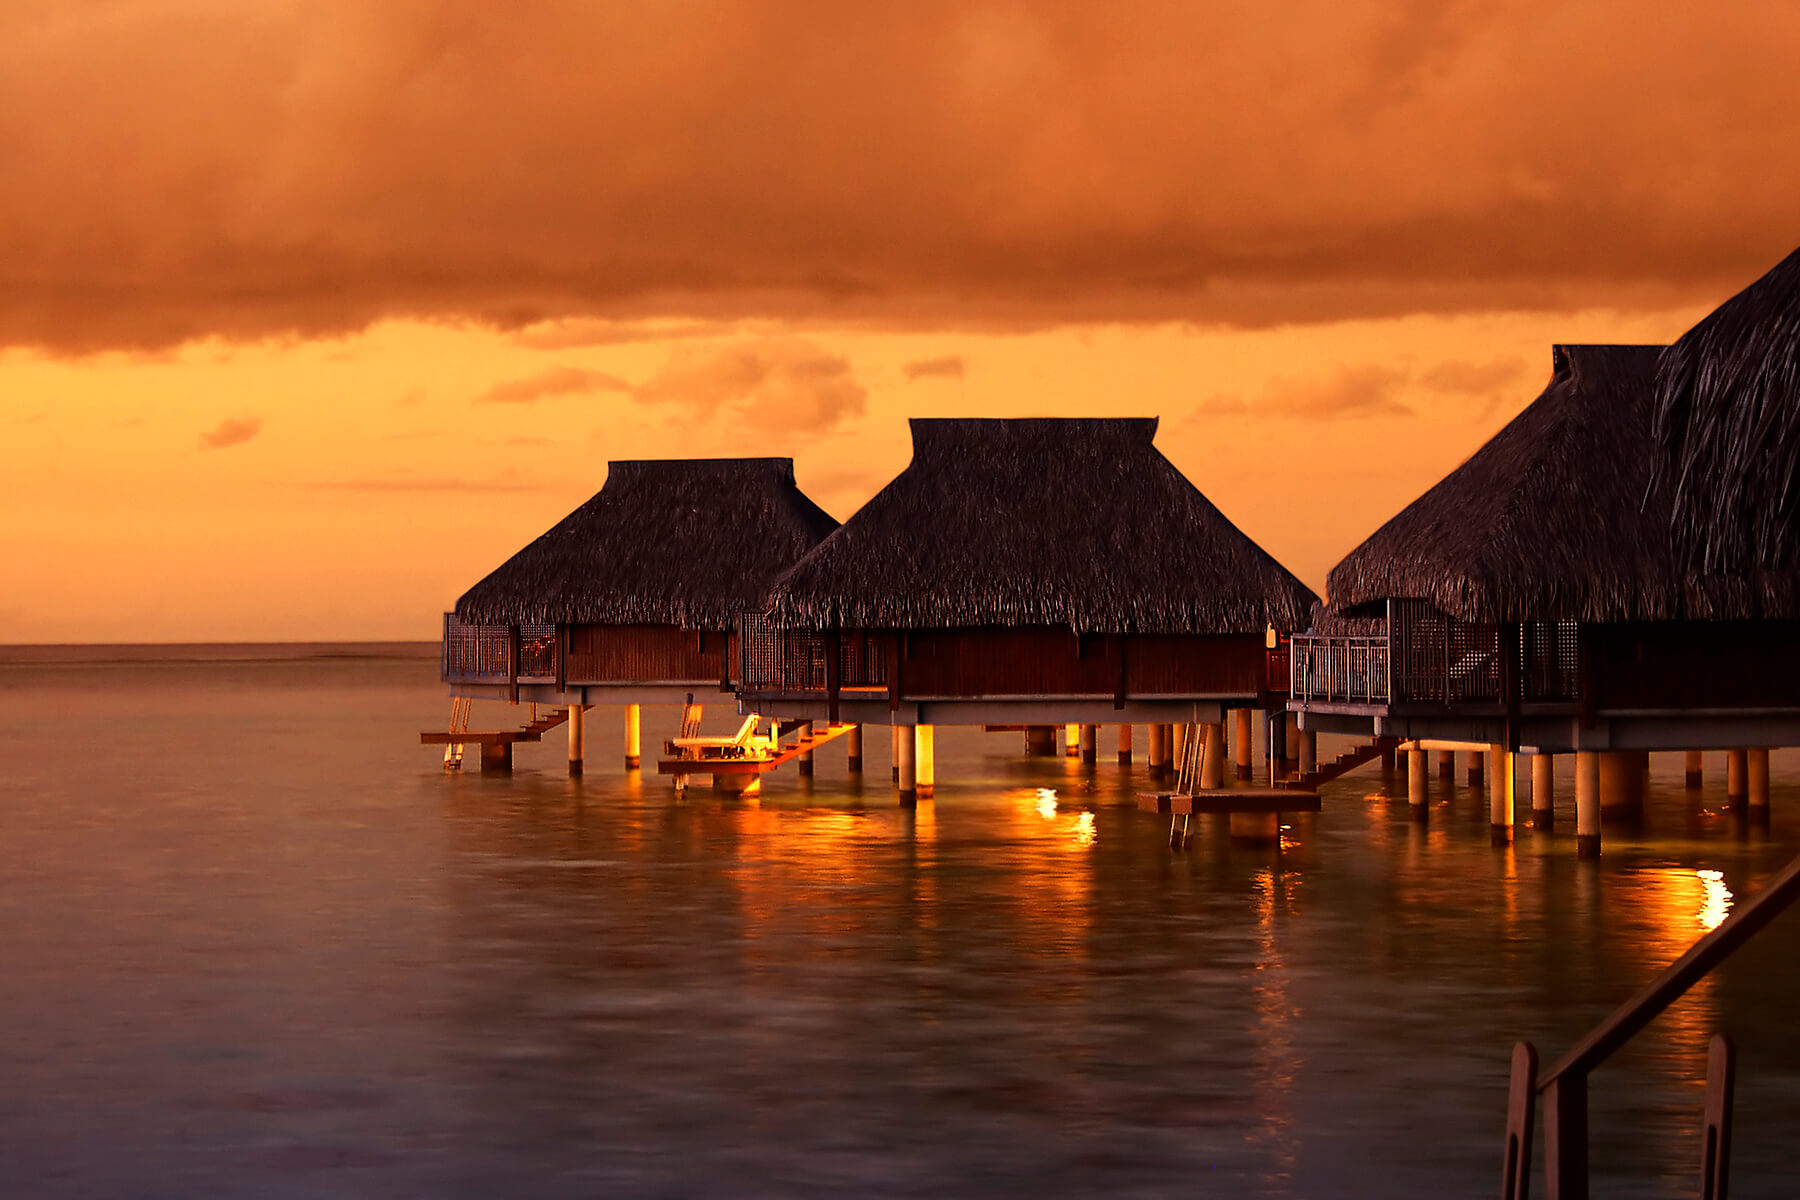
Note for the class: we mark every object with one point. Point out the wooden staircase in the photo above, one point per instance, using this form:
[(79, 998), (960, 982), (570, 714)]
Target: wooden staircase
[(1342, 765), (496, 744)]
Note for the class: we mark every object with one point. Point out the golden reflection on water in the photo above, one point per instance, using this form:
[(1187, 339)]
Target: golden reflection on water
[(1277, 1062), (1717, 901)]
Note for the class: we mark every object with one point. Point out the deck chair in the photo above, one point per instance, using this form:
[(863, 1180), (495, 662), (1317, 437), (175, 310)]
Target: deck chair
[(721, 747)]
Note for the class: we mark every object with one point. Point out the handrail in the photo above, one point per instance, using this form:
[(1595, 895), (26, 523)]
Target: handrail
[(1564, 1085), (1712, 949)]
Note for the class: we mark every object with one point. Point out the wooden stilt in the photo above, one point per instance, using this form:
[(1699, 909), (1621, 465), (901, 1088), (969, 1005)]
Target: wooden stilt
[(1621, 782), (894, 747), (1241, 744), (1543, 791), (634, 736), (1446, 764), (1040, 741), (1587, 804), (906, 762), (1696, 762), (1418, 796), (1500, 795), (854, 754), (1309, 752), (1090, 744), (577, 739), (1212, 756), (1737, 774), (1124, 745), (1756, 778), (806, 758), (925, 760)]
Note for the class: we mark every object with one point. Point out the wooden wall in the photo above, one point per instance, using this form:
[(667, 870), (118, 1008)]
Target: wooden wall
[(1054, 662), (647, 654), (1699, 664)]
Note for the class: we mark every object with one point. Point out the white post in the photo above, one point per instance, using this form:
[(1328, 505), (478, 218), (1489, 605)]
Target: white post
[(577, 740), (1587, 804), (634, 736)]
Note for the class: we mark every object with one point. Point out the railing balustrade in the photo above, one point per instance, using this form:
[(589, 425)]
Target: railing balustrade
[(476, 652), (1565, 1085), (1345, 669), (1427, 656), (784, 660), (537, 652)]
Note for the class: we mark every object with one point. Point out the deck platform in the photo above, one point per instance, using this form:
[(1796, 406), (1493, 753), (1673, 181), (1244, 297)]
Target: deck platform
[(1229, 800), (752, 764)]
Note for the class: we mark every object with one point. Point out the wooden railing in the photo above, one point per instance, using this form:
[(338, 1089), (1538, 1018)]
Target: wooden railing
[(498, 653), (1564, 1086), (778, 660), (1349, 670), (476, 653), (537, 652)]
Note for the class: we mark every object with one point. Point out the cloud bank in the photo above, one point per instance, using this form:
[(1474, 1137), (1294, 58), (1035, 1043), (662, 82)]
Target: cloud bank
[(304, 168)]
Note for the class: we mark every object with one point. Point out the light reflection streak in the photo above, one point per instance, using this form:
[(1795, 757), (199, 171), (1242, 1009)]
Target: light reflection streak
[(1084, 830), (1717, 901)]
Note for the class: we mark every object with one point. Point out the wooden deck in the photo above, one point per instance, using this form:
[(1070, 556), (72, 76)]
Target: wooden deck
[(752, 764), (1229, 800), (534, 732)]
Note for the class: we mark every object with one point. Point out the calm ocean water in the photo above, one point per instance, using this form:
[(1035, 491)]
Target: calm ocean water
[(257, 943)]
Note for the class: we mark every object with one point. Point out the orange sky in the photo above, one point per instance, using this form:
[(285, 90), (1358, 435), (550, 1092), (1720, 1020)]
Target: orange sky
[(312, 312)]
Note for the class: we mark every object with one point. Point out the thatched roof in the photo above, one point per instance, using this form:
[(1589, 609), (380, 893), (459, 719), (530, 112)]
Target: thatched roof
[(1548, 521), (1728, 422), (689, 542), (1077, 523)]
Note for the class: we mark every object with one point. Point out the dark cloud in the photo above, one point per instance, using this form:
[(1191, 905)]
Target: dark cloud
[(578, 333), (233, 431), (305, 169), (949, 367), (557, 381)]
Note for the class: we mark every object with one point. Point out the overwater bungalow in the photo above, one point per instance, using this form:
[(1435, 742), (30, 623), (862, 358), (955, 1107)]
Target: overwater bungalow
[(633, 598), (1537, 600), (1028, 574)]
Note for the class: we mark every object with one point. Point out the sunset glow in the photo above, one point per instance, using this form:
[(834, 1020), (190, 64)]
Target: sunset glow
[(314, 312)]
